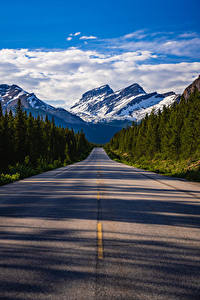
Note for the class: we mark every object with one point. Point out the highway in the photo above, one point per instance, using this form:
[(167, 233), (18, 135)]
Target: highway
[(99, 229)]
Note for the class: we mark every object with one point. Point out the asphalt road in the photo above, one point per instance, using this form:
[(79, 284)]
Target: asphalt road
[(100, 230)]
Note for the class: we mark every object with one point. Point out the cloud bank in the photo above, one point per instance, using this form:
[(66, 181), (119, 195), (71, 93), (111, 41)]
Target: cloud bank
[(61, 76)]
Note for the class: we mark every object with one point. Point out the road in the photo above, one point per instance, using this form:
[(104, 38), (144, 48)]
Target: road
[(99, 229)]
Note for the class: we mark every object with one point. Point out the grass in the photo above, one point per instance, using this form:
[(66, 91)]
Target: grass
[(188, 169), (21, 171)]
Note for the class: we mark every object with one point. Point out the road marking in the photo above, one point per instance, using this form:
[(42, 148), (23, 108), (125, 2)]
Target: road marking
[(99, 225), (100, 240)]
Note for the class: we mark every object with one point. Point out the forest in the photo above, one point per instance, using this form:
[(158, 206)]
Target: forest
[(167, 142), (29, 145)]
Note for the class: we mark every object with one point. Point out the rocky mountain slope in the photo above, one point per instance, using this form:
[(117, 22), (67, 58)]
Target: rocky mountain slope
[(131, 103), (9, 95), (190, 89)]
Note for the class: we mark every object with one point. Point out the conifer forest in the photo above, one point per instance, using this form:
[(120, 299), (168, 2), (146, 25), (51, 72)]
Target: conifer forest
[(31, 145), (167, 142)]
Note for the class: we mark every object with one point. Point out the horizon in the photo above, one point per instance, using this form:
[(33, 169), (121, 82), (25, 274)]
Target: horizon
[(61, 51)]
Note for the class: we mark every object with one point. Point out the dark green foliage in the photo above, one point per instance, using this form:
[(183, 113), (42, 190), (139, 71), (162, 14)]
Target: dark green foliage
[(20, 133), (173, 134), (29, 145)]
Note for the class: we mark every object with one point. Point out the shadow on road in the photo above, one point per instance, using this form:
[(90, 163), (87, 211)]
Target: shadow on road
[(46, 258), (48, 268), (73, 195)]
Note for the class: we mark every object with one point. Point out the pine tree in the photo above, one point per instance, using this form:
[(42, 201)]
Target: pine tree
[(172, 134), (26, 139), (20, 134)]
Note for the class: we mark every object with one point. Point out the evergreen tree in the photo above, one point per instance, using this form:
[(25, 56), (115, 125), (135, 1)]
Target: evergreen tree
[(25, 139), (20, 133), (171, 134)]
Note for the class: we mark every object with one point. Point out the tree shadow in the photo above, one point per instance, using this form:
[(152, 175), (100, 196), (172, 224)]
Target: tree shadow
[(77, 199), (49, 243), (59, 262)]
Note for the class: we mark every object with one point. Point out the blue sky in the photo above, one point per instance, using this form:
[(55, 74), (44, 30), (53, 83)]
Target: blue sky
[(59, 49), (44, 23)]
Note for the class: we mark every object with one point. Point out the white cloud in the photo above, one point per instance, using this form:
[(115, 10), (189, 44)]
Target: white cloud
[(61, 76), (77, 33), (189, 48), (139, 34), (72, 35), (91, 37), (188, 35), (186, 44)]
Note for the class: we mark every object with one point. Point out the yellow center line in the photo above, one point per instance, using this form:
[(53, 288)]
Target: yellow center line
[(100, 240), (99, 225)]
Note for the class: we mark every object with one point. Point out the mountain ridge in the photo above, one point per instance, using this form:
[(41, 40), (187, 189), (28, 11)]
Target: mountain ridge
[(97, 133), (130, 103), (9, 95)]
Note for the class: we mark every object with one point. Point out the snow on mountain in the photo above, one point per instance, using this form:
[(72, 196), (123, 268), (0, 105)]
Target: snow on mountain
[(96, 133), (131, 103), (139, 111), (90, 98), (9, 95), (100, 112)]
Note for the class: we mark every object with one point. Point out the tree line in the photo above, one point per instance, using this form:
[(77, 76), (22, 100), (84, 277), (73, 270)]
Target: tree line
[(171, 134), (25, 140)]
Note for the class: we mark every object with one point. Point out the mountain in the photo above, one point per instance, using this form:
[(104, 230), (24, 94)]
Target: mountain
[(9, 95), (191, 88), (97, 133), (100, 112), (131, 104)]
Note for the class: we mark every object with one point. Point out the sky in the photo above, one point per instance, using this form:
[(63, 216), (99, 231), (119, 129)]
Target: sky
[(60, 49)]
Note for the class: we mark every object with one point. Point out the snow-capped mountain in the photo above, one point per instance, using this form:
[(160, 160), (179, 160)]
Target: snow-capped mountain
[(100, 112), (9, 95), (131, 103), (97, 133)]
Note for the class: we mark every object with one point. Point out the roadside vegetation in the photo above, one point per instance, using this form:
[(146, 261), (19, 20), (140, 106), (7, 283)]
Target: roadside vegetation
[(29, 146), (166, 142)]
